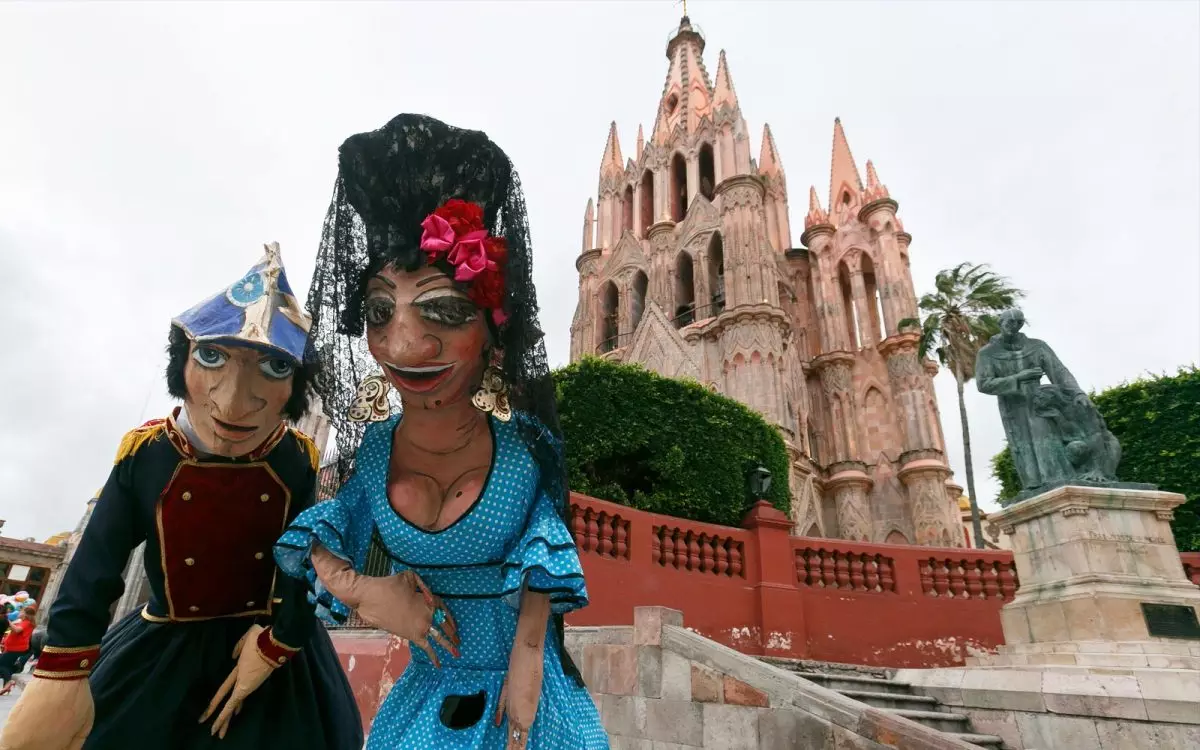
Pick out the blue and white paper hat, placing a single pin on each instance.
(257, 310)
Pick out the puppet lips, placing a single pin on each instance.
(420, 379)
(234, 428)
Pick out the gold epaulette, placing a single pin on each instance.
(307, 445)
(136, 438)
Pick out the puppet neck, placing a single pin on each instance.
(445, 429)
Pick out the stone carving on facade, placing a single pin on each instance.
(854, 521)
(658, 347)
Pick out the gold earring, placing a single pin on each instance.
(371, 401)
(492, 396)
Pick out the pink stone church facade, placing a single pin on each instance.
(687, 268)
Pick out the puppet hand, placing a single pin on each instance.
(520, 694)
(51, 715)
(403, 605)
(251, 671)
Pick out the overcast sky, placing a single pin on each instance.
(148, 150)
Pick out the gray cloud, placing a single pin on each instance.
(147, 151)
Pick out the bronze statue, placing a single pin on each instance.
(1055, 433)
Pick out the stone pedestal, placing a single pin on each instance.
(1087, 559)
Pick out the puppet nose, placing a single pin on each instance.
(234, 396)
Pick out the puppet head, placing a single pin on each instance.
(237, 360)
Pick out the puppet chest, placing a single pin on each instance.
(216, 526)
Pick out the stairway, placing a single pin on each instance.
(876, 689)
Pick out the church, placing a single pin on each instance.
(687, 268)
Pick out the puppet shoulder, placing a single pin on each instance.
(136, 438)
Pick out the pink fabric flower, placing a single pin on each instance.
(437, 237)
(499, 316)
(469, 256)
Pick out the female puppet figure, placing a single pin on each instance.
(427, 243)
(209, 489)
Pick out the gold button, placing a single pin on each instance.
(193, 608)
(282, 659)
(249, 604)
(187, 496)
(83, 663)
(258, 555)
(190, 561)
(265, 497)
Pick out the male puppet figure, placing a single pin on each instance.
(226, 653)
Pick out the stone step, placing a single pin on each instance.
(842, 682)
(893, 700)
(979, 740)
(950, 723)
(828, 667)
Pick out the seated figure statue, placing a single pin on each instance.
(1055, 433)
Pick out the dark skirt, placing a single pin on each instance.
(153, 681)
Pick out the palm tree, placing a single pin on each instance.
(960, 317)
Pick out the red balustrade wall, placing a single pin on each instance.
(764, 592)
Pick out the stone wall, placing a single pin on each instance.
(1069, 708)
(658, 685)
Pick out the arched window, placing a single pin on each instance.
(685, 291)
(895, 537)
(716, 273)
(679, 196)
(640, 283)
(609, 305)
(647, 201)
(627, 210)
(708, 176)
(874, 306)
(848, 309)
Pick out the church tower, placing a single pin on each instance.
(687, 268)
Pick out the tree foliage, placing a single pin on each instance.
(1157, 422)
(662, 445)
(960, 317)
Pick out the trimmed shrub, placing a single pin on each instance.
(662, 445)
(1157, 421)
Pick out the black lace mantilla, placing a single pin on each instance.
(388, 181)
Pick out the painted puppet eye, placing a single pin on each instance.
(379, 311)
(449, 311)
(207, 356)
(276, 369)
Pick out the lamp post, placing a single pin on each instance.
(758, 483)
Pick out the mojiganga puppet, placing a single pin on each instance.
(227, 652)
(424, 289)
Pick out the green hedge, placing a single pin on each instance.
(1157, 422)
(662, 445)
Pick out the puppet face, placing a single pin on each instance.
(235, 395)
(426, 334)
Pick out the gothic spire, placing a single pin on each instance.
(875, 189)
(687, 92)
(816, 215)
(589, 227)
(843, 174)
(723, 93)
(611, 162)
(769, 163)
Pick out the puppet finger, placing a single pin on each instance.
(500, 703)
(220, 696)
(424, 645)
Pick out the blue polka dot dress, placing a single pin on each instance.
(511, 538)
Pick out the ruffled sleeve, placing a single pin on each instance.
(342, 525)
(545, 560)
